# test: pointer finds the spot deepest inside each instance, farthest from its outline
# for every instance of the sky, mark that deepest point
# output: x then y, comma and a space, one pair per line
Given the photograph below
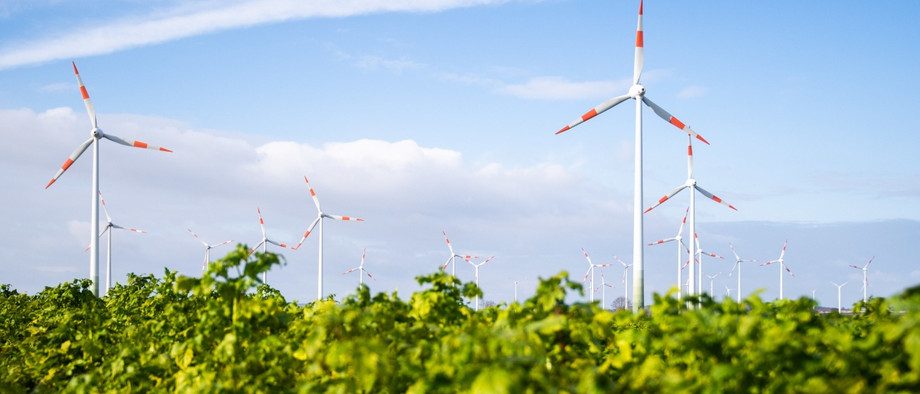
423, 116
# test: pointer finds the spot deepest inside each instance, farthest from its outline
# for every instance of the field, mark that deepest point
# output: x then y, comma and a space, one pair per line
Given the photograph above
226, 332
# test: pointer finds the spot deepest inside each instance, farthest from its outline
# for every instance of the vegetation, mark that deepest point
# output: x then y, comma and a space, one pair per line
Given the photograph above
226, 332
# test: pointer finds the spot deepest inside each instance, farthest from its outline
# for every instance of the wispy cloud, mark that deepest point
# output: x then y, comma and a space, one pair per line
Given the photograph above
550, 88
691, 92
167, 25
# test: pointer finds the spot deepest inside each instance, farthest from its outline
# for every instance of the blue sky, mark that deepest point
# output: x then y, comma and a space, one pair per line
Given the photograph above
428, 116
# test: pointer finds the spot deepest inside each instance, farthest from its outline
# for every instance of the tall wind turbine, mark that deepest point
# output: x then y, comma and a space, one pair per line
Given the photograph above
838, 293
636, 92
110, 226
865, 270
680, 242
591, 267
362, 269
738, 261
319, 220
782, 266
264, 242
476, 277
95, 135
453, 257
692, 185
207, 250
625, 283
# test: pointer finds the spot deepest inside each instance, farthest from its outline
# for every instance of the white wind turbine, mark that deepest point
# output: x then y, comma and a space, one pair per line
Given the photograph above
476, 277
838, 294
711, 279
699, 261
95, 135
738, 261
319, 220
625, 283
636, 92
207, 250
782, 266
692, 185
361, 269
264, 243
591, 267
603, 288
680, 242
515, 290
728, 292
110, 226
453, 257
865, 270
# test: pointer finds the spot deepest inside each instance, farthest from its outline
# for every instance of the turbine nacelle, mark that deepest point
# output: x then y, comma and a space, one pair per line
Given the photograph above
636, 91
97, 133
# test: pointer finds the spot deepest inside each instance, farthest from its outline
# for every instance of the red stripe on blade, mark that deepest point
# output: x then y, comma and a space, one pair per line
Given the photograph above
563, 129
592, 113
679, 124
138, 144
84, 92
639, 41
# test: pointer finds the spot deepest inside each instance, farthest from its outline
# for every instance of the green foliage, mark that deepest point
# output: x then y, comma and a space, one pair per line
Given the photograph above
228, 332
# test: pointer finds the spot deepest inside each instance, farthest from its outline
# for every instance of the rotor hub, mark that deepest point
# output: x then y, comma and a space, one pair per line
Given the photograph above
97, 133
636, 90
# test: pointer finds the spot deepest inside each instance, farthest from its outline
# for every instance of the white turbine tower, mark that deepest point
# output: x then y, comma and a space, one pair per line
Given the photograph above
711, 279
110, 226
738, 261
591, 267
453, 257
838, 294
319, 220
603, 288
476, 277
515, 291
264, 243
680, 242
782, 266
692, 185
207, 250
362, 269
865, 270
636, 92
625, 283
95, 135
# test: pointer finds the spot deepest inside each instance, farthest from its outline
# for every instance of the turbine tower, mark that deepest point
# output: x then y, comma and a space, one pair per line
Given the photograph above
476, 277
636, 92
264, 243
110, 226
591, 267
838, 294
865, 270
362, 269
207, 250
782, 266
738, 261
96, 134
680, 242
625, 283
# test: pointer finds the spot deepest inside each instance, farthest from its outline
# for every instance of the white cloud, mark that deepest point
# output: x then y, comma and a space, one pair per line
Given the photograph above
692, 92
200, 18
560, 88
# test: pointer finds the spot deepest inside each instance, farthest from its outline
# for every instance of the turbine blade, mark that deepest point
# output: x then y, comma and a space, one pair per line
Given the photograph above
595, 111
104, 209
313, 194
783, 253
369, 275
586, 256
661, 241
73, 157
737, 259
281, 244
666, 197
222, 243
261, 222
85, 94
307, 233
586, 274
672, 120
253, 250
713, 197
346, 218
870, 262
683, 223
199, 239
451, 248
640, 49
136, 144
732, 272
351, 270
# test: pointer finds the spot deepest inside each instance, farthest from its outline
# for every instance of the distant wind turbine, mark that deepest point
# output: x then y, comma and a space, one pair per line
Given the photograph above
838, 294
110, 226
264, 242
738, 261
625, 282
95, 135
700, 252
603, 288
361, 269
711, 279
782, 266
476, 277
453, 257
680, 242
207, 250
637, 92
319, 220
865, 271
591, 267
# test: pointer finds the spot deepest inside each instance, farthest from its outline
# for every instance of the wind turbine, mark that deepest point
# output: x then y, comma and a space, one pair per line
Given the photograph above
360, 268
728, 291
699, 261
603, 287
838, 293
110, 226
515, 291
95, 135
636, 92
711, 279
738, 261
453, 257
591, 267
625, 283
207, 250
264, 242
476, 278
692, 185
319, 220
865, 270
680, 242
782, 266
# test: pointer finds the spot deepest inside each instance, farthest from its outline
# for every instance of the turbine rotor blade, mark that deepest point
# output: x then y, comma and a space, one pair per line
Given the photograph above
85, 94
345, 218
713, 197
640, 49
70, 160
595, 111
253, 250
133, 143
307, 233
666, 197
313, 194
672, 120
104, 209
